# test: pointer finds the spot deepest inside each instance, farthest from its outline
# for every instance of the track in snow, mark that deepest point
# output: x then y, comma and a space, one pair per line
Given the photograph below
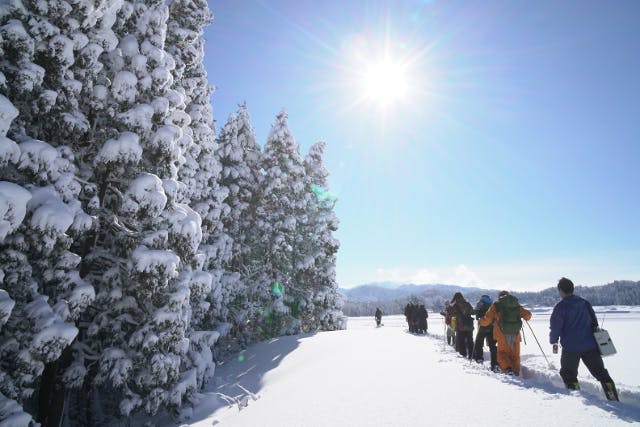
368, 376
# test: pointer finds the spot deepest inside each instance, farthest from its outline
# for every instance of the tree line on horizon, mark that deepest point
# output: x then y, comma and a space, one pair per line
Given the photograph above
620, 292
136, 245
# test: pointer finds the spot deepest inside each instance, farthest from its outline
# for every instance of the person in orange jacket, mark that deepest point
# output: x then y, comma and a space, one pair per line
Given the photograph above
505, 315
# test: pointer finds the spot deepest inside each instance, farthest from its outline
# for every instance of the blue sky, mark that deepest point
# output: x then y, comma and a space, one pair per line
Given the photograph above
512, 159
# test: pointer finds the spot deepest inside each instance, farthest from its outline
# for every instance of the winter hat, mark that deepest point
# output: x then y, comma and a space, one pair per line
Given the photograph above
456, 297
503, 293
565, 285
486, 299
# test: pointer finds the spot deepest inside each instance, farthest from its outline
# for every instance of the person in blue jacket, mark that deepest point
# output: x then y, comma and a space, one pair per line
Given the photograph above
573, 322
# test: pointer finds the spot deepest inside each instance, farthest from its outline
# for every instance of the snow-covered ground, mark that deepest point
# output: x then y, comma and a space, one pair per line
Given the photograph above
367, 376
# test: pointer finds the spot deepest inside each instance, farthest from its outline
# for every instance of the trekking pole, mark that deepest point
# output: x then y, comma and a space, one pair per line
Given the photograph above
445, 331
523, 337
536, 338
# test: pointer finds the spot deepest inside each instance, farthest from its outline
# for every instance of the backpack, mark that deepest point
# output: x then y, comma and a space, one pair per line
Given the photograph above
481, 309
509, 309
467, 311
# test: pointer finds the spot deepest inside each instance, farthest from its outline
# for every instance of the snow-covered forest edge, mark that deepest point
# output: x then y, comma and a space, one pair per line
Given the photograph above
136, 245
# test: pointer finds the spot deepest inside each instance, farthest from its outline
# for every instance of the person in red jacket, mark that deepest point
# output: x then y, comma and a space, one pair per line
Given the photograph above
505, 315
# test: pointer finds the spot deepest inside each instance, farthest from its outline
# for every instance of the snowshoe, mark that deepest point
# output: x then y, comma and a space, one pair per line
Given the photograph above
610, 391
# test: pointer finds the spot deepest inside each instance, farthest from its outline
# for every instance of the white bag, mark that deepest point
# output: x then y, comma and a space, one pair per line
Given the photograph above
604, 342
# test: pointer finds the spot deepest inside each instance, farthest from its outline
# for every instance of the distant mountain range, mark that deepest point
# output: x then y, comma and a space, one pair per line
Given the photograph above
392, 297
387, 291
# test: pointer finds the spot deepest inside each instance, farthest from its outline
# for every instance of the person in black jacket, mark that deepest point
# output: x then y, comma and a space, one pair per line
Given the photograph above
422, 319
408, 314
464, 325
485, 333
573, 321
378, 316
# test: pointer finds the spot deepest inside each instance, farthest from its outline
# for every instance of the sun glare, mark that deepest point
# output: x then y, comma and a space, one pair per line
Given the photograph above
384, 82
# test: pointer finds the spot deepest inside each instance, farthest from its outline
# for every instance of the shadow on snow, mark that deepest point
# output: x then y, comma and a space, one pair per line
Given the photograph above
549, 381
239, 379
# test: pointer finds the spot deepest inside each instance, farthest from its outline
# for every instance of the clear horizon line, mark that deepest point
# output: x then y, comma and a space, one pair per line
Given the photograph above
478, 286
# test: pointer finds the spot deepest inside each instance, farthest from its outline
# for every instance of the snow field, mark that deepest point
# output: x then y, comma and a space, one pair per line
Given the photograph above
368, 376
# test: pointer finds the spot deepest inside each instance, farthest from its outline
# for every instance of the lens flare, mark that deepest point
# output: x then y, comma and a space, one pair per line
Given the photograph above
321, 193
277, 289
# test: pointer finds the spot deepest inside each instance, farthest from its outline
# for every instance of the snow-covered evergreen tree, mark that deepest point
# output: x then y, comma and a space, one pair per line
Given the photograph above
39, 271
324, 311
146, 245
198, 177
281, 215
239, 156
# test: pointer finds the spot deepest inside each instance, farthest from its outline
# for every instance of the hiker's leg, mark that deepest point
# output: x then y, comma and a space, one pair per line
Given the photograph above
504, 361
478, 352
515, 358
493, 350
470, 344
458, 339
569, 361
593, 361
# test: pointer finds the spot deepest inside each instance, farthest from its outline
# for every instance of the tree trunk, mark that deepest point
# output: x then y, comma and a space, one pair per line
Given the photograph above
51, 396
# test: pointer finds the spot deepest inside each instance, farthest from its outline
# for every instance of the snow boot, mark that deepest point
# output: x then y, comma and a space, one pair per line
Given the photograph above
610, 391
573, 386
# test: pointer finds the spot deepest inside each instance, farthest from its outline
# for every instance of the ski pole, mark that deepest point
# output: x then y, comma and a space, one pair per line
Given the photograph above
523, 337
536, 338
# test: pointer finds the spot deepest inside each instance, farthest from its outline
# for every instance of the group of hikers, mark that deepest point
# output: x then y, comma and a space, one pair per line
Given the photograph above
416, 315
499, 325
572, 323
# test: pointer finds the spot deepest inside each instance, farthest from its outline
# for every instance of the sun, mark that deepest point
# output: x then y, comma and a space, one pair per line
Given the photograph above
384, 82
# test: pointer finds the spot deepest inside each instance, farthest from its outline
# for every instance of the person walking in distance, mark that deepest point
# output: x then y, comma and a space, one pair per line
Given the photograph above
378, 316
408, 314
573, 322
422, 319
